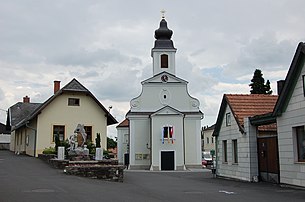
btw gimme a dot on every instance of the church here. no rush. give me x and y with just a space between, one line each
164 121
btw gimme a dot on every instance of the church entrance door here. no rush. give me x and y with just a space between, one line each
167 160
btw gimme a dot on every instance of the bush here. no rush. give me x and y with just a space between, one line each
91 147
50 150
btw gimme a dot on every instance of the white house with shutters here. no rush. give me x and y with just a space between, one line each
164 120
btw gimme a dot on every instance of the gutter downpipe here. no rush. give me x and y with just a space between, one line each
216 156
149 146
35 136
184 142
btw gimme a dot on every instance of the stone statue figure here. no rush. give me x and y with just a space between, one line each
72 142
81 135
77 141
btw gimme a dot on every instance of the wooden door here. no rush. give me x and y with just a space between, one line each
268 159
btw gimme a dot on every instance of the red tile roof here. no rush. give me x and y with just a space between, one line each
124 123
248 105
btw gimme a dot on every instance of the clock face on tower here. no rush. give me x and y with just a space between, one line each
164 78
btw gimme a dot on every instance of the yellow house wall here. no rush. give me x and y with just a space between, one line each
59 113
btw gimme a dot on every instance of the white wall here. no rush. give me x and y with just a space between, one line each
158 121
139 137
13 141
193 154
122 133
211 145
151 99
291 171
247 153
5 140
157 61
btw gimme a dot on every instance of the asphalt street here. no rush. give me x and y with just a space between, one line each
24 179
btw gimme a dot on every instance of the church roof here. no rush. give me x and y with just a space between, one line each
163 36
124 123
175 79
154 112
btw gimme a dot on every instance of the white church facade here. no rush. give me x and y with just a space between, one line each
164 120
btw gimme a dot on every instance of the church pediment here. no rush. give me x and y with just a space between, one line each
164 77
167 110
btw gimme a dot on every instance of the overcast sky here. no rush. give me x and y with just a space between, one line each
106 46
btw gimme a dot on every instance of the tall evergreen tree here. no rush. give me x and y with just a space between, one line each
268 88
258 85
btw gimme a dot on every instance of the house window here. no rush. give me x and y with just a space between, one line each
235 151
303 77
224 150
164 61
60 131
300 136
73 101
212 139
88 130
208 141
228 119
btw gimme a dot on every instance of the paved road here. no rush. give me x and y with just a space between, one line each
24 179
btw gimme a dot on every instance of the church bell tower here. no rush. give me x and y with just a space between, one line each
163 53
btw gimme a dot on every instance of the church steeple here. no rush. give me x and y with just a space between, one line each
163 53
163 36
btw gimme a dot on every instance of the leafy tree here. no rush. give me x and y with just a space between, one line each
111 143
258 85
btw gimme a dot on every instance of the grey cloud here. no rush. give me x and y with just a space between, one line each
122 85
264 52
88 58
2 96
199 81
98 58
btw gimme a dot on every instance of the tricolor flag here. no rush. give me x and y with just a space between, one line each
172 134
163 135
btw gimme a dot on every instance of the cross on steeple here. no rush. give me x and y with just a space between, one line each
163 13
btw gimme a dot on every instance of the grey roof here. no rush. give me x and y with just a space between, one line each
151 113
27 113
212 127
3 129
74 85
20 111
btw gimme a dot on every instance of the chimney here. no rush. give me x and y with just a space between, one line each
56 86
280 85
26 99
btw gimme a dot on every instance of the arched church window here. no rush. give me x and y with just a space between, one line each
164 61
